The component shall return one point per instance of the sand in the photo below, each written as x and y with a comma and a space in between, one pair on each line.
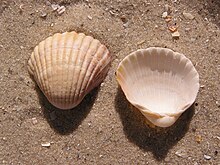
104, 128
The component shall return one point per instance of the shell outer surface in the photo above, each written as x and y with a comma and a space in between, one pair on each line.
161, 83
68, 66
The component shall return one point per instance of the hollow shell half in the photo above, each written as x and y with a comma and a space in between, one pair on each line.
161, 83
68, 66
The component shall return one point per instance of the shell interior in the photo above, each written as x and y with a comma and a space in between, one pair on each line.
161, 83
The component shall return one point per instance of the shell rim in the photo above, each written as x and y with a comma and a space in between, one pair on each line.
147, 110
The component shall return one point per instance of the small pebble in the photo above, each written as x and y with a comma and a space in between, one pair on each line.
207, 157
196, 104
164, 15
21, 8
202, 86
141, 42
123, 19
111, 12
43, 14
55, 7
168, 19
34, 120
176, 35
89, 17
188, 15
173, 28
198, 138
187, 29
99, 130
61, 10
181, 153
217, 103
218, 137
125, 25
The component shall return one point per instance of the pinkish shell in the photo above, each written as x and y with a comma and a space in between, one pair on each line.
68, 66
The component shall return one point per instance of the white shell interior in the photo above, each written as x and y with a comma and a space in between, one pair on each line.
159, 82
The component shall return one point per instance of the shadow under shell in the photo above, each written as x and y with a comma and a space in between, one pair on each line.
156, 140
66, 121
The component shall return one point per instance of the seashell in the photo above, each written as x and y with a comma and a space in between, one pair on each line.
68, 66
159, 82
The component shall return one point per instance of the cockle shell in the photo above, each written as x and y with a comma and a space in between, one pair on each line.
161, 83
68, 66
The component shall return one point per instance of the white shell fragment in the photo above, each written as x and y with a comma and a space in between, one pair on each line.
45, 144
68, 66
207, 157
55, 7
176, 35
61, 10
161, 83
164, 15
188, 15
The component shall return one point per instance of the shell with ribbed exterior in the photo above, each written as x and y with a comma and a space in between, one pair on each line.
161, 83
68, 66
